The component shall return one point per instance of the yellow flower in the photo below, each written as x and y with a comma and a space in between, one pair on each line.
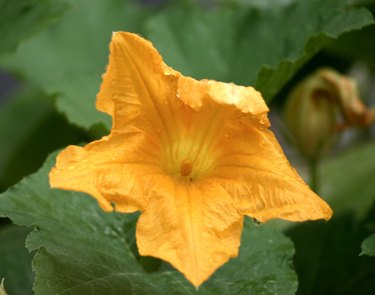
194, 156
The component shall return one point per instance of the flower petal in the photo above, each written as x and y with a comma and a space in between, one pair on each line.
195, 227
114, 170
256, 171
133, 60
195, 93
135, 89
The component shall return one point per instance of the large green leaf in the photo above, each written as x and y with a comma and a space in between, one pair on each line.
327, 257
264, 265
83, 250
257, 46
347, 45
25, 106
22, 18
29, 125
15, 260
353, 189
327, 254
368, 245
70, 57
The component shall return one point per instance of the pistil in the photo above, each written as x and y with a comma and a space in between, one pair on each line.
186, 167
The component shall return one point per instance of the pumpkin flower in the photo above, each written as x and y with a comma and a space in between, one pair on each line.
193, 156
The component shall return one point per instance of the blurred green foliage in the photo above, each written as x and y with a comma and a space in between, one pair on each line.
368, 245
15, 260
23, 18
233, 43
62, 52
30, 125
250, 45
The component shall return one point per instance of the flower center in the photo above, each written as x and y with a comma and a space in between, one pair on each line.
186, 167
187, 160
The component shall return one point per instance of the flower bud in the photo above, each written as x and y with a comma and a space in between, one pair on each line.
353, 110
310, 115
2, 290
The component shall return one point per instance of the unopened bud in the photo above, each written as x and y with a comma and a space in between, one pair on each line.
354, 111
310, 115
2, 290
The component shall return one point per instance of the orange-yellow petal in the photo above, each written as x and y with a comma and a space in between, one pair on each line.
194, 93
256, 171
116, 170
135, 90
132, 61
196, 227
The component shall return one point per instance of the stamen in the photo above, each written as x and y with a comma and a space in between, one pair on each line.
186, 167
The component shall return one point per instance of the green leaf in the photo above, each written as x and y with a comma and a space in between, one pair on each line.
368, 246
350, 190
20, 108
29, 125
70, 57
23, 18
327, 257
264, 265
251, 46
226, 44
327, 253
83, 250
72, 230
347, 45
15, 260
